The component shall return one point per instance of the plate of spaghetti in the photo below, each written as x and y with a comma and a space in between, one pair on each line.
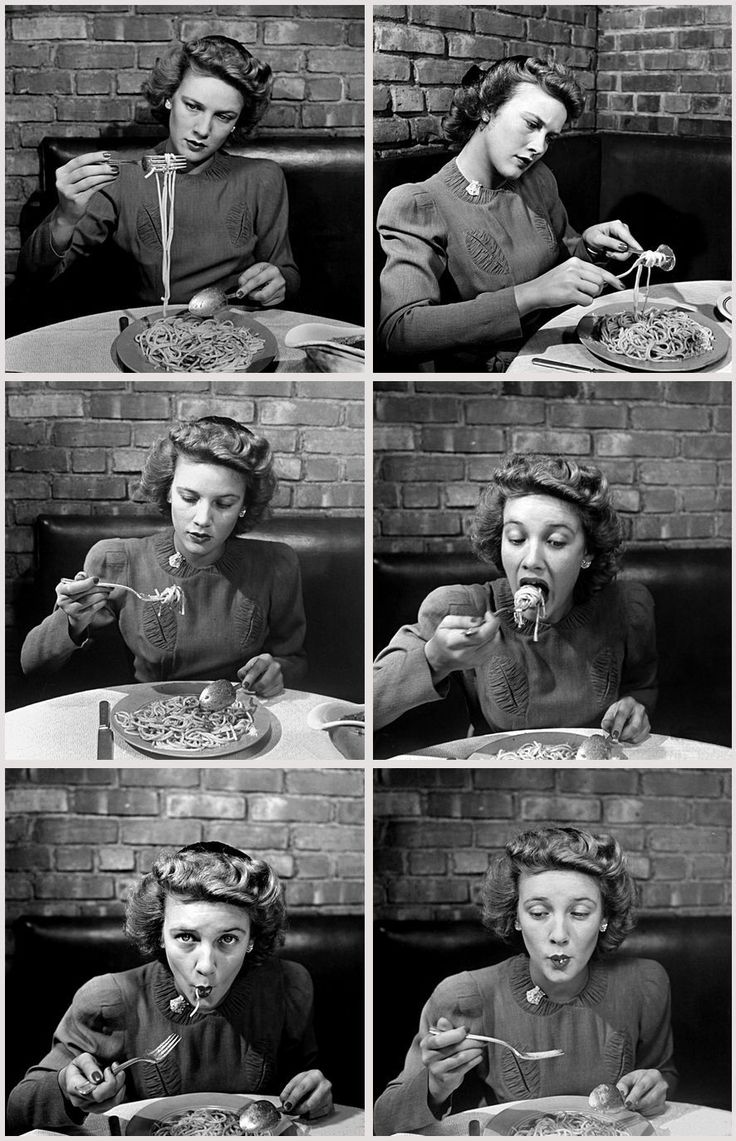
202, 1115
231, 341
567, 1116
557, 745
163, 719
658, 339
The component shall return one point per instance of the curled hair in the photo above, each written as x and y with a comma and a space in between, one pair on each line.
485, 92
561, 849
213, 440
583, 486
213, 878
223, 58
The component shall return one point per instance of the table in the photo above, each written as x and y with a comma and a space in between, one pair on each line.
66, 727
680, 1119
558, 341
344, 1121
83, 344
656, 747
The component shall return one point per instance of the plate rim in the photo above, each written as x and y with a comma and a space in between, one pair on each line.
537, 1105
198, 1100
585, 325
261, 361
207, 754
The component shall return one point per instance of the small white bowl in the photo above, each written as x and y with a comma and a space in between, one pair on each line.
335, 710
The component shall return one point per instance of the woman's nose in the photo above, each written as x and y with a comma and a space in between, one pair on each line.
202, 512
532, 555
205, 961
202, 127
558, 934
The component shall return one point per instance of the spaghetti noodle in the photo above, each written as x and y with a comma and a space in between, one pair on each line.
529, 597
535, 751
166, 189
659, 335
201, 344
200, 1123
566, 1125
179, 723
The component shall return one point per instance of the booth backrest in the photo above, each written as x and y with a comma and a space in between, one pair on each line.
325, 180
54, 956
410, 958
330, 552
692, 606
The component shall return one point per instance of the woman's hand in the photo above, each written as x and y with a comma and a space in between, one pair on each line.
451, 648
109, 1087
448, 1058
626, 720
612, 239
76, 182
263, 675
644, 1091
81, 599
308, 1094
573, 282
263, 283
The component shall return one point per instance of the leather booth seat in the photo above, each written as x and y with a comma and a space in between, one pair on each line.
325, 181
692, 607
410, 958
645, 180
54, 956
330, 552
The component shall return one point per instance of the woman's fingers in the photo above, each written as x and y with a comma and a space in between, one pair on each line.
626, 720
263, 675
262, 282
308, 1094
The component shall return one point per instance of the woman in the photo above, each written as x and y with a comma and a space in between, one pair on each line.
478, 254
242, 604
210, 918
230, 213
590, 661
570, 897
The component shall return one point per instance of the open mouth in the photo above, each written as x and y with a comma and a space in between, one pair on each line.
559, 960
203, 991
536, 582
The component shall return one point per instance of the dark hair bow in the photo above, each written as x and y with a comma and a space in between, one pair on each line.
474, 76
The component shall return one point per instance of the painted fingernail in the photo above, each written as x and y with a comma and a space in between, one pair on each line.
97, 1077
95, 579
107, 154
239, 293
115, 169
287, 1106
615, 735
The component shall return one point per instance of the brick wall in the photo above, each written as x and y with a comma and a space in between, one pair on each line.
76, 839
422, 52
434, 831
665, 69
664, 446
78, 448
77, 71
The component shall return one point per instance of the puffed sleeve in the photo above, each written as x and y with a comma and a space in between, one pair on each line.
286, 622
413, 318
272, 226
402, 677
403, 1107
48, 646
298, 1046
639, 670
654, 1049
94, 1025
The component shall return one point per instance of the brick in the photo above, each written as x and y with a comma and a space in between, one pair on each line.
203, 805
431, 71
712, 812
333, 61
75, 858
332, 115
506, 410
470, 805
46, 404
118, 859
587, 415
76, 831
636, 443
557, 808
325, 782
289, 808
49, 28
47, 81
525, 779
321, 32
430, 835
491, 22
327, 837
389, 69
631, 810
683, 839
77, 886
32, 800
23, 857
89, 487
677, 472
89, 434
397, 38
711, 445
421, 469
659, 499
160, 832
427, 891
553, 443
139, 27
598, 781
427, 863
39, 459
457, 439
469, 863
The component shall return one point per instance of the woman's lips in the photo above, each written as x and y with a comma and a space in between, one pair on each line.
202, 991
559, 961
196, 538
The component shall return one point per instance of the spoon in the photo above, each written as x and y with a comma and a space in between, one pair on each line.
343, 721
207, 302
221, 694
317, 333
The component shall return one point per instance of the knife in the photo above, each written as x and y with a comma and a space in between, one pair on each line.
104, 734
546, 362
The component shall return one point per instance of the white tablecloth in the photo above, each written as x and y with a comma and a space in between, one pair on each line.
656, 748
557, 339
83, 344
678, 1120
65, 729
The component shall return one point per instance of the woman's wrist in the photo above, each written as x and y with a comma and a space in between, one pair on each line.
527, 298
438, 666
61, 232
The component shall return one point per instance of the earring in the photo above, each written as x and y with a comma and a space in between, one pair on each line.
517, 925
241, 514
167, 104
586, 563
604, 925
250, 948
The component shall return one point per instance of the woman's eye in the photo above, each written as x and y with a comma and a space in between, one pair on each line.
185, 937
515, 540
580, 915
229, 940
556, 542
537, 914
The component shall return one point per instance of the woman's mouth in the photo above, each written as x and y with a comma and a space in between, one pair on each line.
559, 961
198, 537
202, 991
194, 145
543, 586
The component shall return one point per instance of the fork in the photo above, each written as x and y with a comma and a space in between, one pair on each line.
122, 586
525, 1055
151, 163
153, 1057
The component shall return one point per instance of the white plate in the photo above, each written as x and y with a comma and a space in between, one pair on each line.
723, 305
149, 1116
510, 742
336, 710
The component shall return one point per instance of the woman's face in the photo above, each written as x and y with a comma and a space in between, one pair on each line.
205, 501
543, 542
204, 111
521, 129
205, 945
559, 913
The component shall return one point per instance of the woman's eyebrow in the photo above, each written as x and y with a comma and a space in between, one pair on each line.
544, 899
553, 526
